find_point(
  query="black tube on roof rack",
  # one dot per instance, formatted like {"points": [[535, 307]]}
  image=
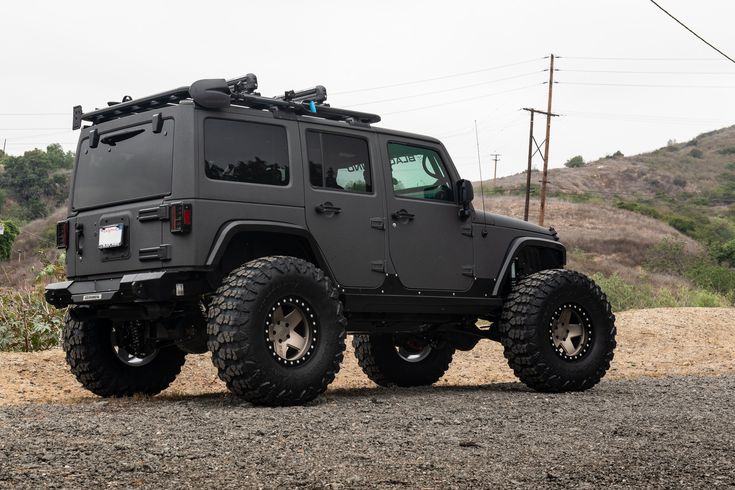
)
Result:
{"points": [[242, 93]]}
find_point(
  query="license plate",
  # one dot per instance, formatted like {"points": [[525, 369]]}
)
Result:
{"points": [[111, 236]]}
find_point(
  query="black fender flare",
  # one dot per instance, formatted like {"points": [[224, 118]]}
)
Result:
{"points": [[232, 228], [516, 247]]}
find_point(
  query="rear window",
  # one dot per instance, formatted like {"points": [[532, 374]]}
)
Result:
{"points": [[127, 165], [239, 151]]}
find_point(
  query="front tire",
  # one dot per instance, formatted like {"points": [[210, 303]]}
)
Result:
{"points": [[108, 369], [402, 361], [277, 331], [558, 331]]}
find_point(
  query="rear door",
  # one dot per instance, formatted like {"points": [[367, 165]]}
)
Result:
{"points": [[430, 245], [345, 211], [119, 184]]}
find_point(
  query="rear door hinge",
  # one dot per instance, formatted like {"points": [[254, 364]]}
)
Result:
{"points": [[468, 270], [161, 252], [467, 230]]}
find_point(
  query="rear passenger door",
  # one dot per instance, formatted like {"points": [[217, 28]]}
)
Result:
{"points": [[345, 211]]}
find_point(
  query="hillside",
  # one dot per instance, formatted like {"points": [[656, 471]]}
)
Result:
{"points": [[693, 167], [663, 221]]}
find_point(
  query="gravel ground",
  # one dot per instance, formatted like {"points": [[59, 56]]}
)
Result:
{"points": [[652, 432]]}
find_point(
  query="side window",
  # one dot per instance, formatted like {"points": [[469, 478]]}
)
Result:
{"points": [[240, 151], [419, 173], [338, 162]]}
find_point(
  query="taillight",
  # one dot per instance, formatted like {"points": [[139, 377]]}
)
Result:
{"points": [[180, 218], [62, 234]]}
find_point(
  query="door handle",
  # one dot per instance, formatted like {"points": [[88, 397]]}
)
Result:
{"points": [[78, 238], [402, 214], [328, 208]]}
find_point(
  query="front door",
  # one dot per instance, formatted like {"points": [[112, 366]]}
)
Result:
{"points": [[430, 245], [345, 209]]}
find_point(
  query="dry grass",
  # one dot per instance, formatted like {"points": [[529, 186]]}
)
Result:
{"points": [[601, 238], [32, 239], [661, 171]]}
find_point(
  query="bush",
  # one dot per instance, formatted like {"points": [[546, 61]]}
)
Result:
{"points": [[683, 224], [575, 162], [713, 277], [727, 151], [668, 256], [638, 207], [10, 232], [27, 322], [696, 153], [625, 295], [679, 182]]}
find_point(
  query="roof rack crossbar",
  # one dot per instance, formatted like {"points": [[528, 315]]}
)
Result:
{"points": [[308, 102]]}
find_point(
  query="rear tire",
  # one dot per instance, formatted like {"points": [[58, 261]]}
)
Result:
{"points": [[387, 361], [558, 331], [98, 367], [260, 355]]}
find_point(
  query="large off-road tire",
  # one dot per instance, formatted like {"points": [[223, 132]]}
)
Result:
{"points": [[277, 331], [98, 363], [388, 360], [558, 331]]}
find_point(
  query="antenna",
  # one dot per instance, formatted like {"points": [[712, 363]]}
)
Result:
{"points": [[482, 192]]}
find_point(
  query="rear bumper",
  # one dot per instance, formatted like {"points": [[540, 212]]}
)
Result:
{"points": [[146, 286]]}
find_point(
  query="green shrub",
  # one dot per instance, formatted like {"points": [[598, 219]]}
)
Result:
{"points": [[638, 207], [575, 162], [683, 224], [10, 232], [27, 322], [669, 256], [679, 182], [713, 277], [624, 295], [727, 151], [696, 153]]}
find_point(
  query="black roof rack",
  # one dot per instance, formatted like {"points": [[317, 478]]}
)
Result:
{"points": [[220, 93]]}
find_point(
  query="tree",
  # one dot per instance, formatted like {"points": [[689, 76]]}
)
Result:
{"points": [[58, 158], [575, 162], [10, 232], [33, 179]]}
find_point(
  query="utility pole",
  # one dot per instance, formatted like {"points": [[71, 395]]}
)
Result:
{"points": [[531, 152], [496, 157], [4, 143], [542, 209]]}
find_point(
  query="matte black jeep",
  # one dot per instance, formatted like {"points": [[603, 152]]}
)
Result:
{"points": [[264, 229]]}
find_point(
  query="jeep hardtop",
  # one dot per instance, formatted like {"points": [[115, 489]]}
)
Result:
{"points": [[265, 229]]}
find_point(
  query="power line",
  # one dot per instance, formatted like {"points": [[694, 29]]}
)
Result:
{"points": [[443, 77], [466, 99], [652, 72], [445, 89], [646, 85], [688, 29], [597, 58], [34, 113]]}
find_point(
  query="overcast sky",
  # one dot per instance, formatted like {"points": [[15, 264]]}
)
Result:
{"points": [[630, 78]]}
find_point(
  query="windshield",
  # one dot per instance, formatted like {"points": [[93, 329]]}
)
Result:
{"points": [[129, 164]]}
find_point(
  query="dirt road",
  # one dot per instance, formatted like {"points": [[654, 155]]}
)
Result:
{"points": [[663, 418], [659, 342]]}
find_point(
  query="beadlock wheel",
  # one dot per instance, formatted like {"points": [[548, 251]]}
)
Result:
{"points": [[570, 331], [291, 331]]}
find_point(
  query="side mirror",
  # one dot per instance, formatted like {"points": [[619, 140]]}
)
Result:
{"points": [[465, 195], [210, 93]]}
